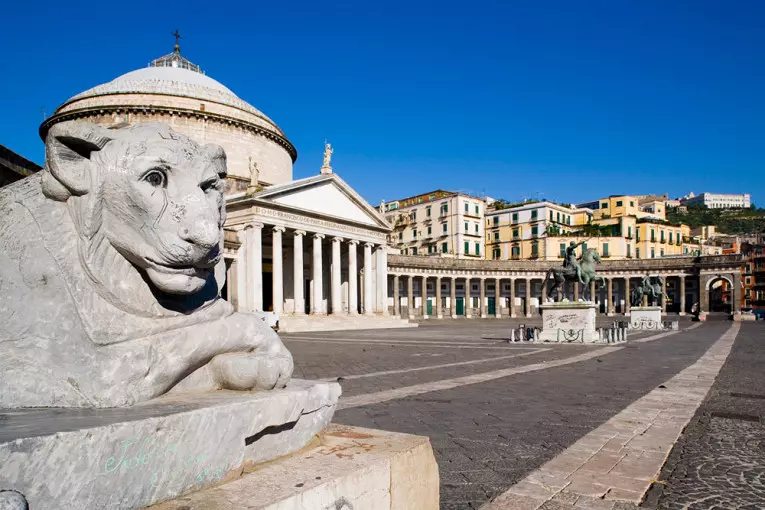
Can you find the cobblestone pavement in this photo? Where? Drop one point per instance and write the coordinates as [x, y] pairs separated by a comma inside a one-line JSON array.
[[489, 435], [719, 462]]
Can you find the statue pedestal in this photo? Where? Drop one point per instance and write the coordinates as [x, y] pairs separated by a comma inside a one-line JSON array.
[[136, 456], [569, 321], [646, 318]]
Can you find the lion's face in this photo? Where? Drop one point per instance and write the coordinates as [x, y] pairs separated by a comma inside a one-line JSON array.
[[157, 198]]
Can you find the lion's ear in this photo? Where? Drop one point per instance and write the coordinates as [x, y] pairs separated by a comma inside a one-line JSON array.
[[69, 146]]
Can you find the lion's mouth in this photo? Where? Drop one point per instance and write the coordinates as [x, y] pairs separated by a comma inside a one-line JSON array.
[[184, 269]]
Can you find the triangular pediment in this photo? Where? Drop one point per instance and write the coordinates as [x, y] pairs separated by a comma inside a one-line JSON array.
[[325, 195]]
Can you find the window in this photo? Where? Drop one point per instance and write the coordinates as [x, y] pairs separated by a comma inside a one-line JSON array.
[[534, 214], [516, 251], [686, 250], [496, 220], [414, 235], [476, 228], [477, 248], [604, 205], [432, 196], [670, 238], [430, 230], [444, 228], [534, 231], [467, 208], [661, 254], [662, 236], [637, 235], [557, 217], [515, 233], [629, 232], [563, 250], [445, 248], [653, 236], [568, 220], [477, 211], [466, 227], [496, 253], [430, 248], [629, 250], [427, 212], [637, 252], [605, 249], [496, 236], [632, 203], [619, 203], [444, 209], [400, 236], [748, 280], [467, 248], [413, 215], [552, 217], [515, 217], [406, 251], [414, 251], [535, 249], [653, 253]]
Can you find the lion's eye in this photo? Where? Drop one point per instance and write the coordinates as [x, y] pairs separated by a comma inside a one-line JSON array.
[[210, 185], [155, 178]]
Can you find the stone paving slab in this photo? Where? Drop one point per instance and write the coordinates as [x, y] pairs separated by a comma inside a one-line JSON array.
[[618, 461], [719, 460], [489, 435]]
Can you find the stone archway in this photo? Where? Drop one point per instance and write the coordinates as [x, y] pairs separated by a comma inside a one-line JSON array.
[[720, 294]]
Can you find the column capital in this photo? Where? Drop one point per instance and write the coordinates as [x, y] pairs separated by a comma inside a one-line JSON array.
[[337, 239], [279, 229], [299, 232], [254, 224], [369, 245], [353, 242], [318, 236]]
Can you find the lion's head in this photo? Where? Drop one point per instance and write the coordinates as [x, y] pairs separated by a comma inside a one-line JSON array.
[[152, 194]]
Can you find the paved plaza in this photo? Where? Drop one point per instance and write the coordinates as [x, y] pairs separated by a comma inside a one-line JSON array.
[[503, 416]]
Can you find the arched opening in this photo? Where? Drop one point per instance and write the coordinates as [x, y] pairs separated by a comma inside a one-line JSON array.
[[720, 295]]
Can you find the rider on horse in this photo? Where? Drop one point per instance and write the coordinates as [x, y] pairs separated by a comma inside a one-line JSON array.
[[570, 262]]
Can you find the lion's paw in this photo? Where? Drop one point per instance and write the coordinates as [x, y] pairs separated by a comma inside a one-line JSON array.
[[252, 370]]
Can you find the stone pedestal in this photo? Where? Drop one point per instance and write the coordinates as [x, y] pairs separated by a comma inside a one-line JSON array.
[[569, 321], [346, 468], [137, 456], [646, 318]]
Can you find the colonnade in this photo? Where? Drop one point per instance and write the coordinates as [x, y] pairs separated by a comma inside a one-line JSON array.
[[310, 272], [522, 295]]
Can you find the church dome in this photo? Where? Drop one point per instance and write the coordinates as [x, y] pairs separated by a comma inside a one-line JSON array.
[[174, 91]]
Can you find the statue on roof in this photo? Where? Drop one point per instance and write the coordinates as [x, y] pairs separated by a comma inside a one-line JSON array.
[[328, 150], [254, 176]]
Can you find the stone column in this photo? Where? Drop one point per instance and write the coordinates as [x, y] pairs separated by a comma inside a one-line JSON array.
[[368, 298], [576, 291], [336, 285], [610, 308], [627, 296], [453, 298], [381, 296], [317, 307], [498, 298], [278, 272], [353, 279], [241, 274], [424, 296], [468, 302], [396, 301], [482, 297], [682, 294], [410, 296], [439, 314], [512, 297], [297, 270], [735, 293], [663, 297], [703, 294], [592, 291], [254, 247], [528, 297]]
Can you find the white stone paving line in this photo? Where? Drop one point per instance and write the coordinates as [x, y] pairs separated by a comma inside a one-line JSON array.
[[401, 344], [619, 460], [394, 341], [447, 384], [435, 367]]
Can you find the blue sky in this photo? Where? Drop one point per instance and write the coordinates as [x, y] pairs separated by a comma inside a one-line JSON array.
[[565, 100]]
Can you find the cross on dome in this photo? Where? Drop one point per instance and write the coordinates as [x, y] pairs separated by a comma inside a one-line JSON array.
[[175, 59]]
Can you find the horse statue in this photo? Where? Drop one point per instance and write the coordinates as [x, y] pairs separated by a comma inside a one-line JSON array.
[[651, 286], [561, 275]]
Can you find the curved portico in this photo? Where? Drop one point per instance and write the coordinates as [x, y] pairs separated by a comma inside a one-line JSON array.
[[436, 287]]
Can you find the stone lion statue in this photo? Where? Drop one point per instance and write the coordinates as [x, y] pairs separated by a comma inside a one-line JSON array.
[[110, 274]]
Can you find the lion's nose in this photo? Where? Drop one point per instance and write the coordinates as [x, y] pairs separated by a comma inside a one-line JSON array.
[[203, 234]]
